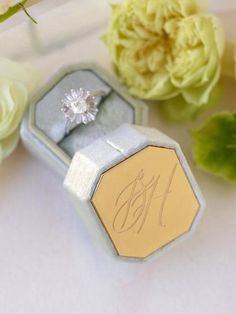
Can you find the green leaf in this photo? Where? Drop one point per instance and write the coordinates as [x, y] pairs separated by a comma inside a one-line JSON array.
[[215, 146], [13, 10], [177, 109]]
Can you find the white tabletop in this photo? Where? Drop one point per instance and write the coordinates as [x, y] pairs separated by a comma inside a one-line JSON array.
[[50, 264]]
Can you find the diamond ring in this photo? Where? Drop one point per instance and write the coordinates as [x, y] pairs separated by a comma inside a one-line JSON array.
[[80, 107]]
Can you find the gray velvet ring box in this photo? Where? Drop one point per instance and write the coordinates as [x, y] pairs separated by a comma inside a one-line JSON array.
[[43, 127], [131, 185]]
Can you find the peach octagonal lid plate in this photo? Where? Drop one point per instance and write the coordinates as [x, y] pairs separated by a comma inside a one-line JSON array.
[[145, 202]]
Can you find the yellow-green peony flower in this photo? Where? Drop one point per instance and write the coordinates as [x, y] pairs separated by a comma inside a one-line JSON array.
[[17, 82], [163, 49]]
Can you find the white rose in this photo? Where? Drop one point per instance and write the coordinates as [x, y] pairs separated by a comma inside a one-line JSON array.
[[17, 82]]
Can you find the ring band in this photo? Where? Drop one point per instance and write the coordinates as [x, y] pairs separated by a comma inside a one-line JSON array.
[[80, 106]]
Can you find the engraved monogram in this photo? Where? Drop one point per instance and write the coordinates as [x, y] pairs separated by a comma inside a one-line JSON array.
[[134, 202]]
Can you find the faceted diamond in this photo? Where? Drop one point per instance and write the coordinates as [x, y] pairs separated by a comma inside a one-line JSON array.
[[79, 106]]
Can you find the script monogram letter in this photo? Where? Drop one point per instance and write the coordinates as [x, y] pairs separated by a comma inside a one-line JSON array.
[[134, 201]]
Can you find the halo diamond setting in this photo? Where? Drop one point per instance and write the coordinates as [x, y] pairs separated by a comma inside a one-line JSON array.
[[79, 107]]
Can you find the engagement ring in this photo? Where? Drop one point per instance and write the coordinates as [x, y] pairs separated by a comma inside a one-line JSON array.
[[80, 106]]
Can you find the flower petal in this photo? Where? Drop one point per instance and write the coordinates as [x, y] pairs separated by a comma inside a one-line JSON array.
[[13, 100], [199, 96], [17, 72], [9, 144]]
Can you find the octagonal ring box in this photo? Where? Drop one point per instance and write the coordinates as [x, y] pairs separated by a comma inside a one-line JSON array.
[[131, 185], [135, 191], [43, 127]]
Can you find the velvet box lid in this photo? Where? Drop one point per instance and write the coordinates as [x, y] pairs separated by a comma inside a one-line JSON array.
[[135, 191]]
